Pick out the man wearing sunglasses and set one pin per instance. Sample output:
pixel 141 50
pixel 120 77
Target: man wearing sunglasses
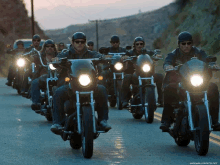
pixel 48 52
pixel 131 77
pixel 115 42
pixel 90 45
pixel 78 50
pixel 36 44
pixel 184 53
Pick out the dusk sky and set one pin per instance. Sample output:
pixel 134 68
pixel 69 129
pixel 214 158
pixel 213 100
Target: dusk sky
pixel 79 11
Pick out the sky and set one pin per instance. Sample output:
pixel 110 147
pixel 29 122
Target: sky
pixel 80 11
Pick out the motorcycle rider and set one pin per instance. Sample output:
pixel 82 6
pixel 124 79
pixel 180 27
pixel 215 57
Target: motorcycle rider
pixel 47 53
pixel 36 44
pixel 61 46
pixel 115 42
pixel 78 50
pixel 132 78
pixel 184 53
pixel 11 71
pixel 90 45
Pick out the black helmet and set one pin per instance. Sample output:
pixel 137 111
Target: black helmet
pixel 36 36
pixel 114 39
pixel 90 43
pixel 20 42
pixel 49 41
pixel 61 43
pixel 78 35
pixel 184 36
pixel 138 39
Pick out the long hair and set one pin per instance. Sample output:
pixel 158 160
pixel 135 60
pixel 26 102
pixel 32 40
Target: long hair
pixel 42 51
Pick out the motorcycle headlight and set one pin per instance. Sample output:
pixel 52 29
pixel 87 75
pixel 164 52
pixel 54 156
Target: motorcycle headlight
pixel 146 68
pixel 118 66
pixel 196 80
pixel 20 62
pixel 52 67
pixel 84 79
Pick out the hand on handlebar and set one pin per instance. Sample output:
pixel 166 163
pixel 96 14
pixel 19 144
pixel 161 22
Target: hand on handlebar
pixel 124 57
pixel 168 68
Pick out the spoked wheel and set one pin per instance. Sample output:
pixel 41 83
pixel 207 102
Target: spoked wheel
pixel 150 108
pixel 87 132
pixel 201 136
pixel 182 142
pixel 76 141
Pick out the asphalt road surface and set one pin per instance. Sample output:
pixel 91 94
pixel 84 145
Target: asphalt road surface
pixel 26 139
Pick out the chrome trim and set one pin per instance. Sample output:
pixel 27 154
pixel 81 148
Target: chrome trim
pixel 189 105
pixel 206 102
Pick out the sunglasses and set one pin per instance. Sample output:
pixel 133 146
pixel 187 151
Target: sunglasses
pixel 139 44
pixel 90 45
pixel 82 42
pixel 184 43
pixel 52 46
pixel 116 42
pixel 36 40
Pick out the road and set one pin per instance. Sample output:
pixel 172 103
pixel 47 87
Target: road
pixel 26 139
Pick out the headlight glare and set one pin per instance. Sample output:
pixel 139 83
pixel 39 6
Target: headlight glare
pixel 118 66
pixel 20 62
pixel 52 67
pixel 196 80
pixel 146 68
pixel 84 80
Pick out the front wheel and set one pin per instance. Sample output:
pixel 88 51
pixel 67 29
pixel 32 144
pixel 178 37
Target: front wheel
pixel 119 102
pixel 150 99
pixel 201 136
pixel 87 131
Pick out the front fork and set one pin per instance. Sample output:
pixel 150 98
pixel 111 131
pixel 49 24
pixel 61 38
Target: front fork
pixel 116 80
pixel 92 103
pixel 141 89
pixel 189 106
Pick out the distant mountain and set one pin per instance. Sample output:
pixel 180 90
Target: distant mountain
pixel 63 16
pixel 150 25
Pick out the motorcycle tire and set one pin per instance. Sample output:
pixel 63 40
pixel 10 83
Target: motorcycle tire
pixel 119 102
pixel 87 131
pixel 149 98
pixel 201 135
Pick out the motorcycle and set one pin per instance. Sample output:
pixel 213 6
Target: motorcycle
pixel 20 70
pixel 145 101
pixel 192 120
pixel 30 67
pixel 81 126
pixel 115 67
pixel 47 93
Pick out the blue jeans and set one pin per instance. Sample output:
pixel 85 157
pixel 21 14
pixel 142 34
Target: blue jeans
pixel 62 95
pixel 36 85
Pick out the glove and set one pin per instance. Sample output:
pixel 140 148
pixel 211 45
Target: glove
pixel 168 67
